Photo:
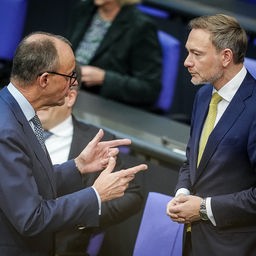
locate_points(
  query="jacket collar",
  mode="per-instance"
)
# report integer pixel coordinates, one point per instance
(43, 158)
(118, 28)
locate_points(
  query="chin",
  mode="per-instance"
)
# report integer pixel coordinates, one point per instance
(195, 82)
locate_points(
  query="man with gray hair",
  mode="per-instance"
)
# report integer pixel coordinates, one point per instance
(38, 199)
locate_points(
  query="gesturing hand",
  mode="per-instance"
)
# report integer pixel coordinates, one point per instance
(96, 154)
(111, 185)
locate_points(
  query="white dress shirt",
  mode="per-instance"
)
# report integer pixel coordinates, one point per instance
(59, 143)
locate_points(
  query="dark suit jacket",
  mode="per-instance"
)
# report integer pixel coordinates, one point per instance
(113, 211)
(130, 53)
(29, 186)
(226, 173)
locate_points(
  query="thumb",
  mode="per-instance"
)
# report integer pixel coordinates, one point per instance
(111, 165)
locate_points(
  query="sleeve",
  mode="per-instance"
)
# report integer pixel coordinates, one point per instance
(237, 209)
(68, 178)
(119, 209)
(26, 199)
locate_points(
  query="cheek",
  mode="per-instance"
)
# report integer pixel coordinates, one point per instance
(215, 69)
(64, 88)
(209, 68)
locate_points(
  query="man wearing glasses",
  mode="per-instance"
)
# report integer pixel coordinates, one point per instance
(36, 198)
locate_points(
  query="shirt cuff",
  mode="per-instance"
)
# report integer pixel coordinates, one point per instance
(209, 211)
(98, 197)
(182, 191)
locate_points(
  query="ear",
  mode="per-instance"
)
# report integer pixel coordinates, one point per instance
(227, 57)
(72, 95)
(43, 80)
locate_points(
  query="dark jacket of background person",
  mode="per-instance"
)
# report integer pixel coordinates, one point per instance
(130, 53)
(112, 212)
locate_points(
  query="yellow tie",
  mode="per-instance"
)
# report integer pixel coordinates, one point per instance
(209, 124)
(208, 127)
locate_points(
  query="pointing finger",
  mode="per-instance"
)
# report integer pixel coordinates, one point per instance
(116, 143)
(133, 170)
(97, 138)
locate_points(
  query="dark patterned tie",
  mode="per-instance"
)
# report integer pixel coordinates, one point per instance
(38, 130)
(47, 134)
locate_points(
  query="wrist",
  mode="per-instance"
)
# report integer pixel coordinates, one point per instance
(79, 165)
(203, 211)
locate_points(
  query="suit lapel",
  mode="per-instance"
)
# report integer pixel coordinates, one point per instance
(201, 113)
(79, 28)
(31, 138)
(74, 150)
(229, 117)
(79, 140)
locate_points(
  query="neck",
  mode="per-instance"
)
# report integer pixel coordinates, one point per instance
(55, 121)
(228, 75)
(109, 11)
(30, 92)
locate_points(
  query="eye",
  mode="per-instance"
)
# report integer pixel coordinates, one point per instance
(197, 53)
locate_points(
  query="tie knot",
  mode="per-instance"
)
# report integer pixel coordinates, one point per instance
(36, 121)
(216, 98)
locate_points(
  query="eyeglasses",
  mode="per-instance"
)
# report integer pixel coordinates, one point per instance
(72, 77)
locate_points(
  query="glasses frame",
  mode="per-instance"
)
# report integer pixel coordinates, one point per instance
(72, 76)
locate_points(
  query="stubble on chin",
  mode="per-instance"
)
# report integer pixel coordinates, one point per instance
(196, 82)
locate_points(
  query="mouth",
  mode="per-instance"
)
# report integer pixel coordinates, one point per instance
(192, 74)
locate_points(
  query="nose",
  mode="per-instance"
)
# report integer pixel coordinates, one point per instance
(188, 61)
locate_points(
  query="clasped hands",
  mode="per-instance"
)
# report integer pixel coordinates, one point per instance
(184, 208)
(101, 155)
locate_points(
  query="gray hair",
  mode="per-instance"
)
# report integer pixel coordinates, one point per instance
(33, 57)
(225, 33)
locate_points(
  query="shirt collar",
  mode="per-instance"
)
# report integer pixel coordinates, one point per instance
(228, 91)
(24, 104)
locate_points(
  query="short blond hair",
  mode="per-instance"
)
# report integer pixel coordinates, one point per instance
(225, 32)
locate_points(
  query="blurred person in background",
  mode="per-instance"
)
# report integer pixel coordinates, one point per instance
(66, 137)
(118, 49)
